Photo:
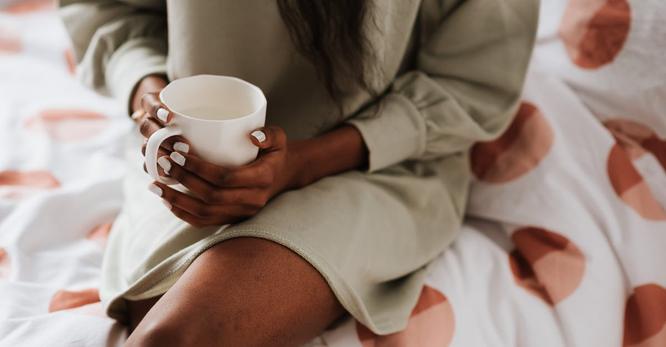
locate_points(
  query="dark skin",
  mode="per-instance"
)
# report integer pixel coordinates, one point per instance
(222, 298)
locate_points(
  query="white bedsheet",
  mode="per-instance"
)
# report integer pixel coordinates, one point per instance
(564, 245)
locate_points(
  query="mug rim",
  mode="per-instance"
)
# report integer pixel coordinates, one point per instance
(242, 81)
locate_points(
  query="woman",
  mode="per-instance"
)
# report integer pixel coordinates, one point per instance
(362, 175)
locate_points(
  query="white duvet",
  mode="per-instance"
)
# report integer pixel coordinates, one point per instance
(565, 244)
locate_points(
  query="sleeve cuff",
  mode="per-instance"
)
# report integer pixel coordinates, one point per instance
(133, 61)
(393, 132)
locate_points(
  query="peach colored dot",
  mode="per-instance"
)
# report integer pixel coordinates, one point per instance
(68, 125)
(36, 179)
(637, 139)
(70, 61)
(594, 31)
(10, 42)
(68, 299)
(5, 265)
(27, 6)
(100, 234)
(519, 150)
(630, 187)
(431, 324)
(645, 317)
(546, 264)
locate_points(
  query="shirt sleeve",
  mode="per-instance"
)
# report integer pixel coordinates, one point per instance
(466, 85)
(116, 44)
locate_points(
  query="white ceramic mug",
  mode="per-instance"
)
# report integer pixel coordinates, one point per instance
(215, 114)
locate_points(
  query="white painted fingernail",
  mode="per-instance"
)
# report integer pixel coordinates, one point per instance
(178, 158)
(181, 147)
(155, 189)
(259, 135)
(163, 114)
(167, 204)
(164, 163)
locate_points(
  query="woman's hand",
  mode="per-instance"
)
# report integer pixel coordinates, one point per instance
(228, 195)
(219, 195)
(150, 114)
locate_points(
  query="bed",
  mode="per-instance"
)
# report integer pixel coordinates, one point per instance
(566, 235)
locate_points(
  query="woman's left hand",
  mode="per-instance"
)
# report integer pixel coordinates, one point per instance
(222, 195)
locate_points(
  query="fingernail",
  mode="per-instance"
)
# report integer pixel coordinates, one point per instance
(178, 158)
(155, 189)
(181, 147)
(163, 114)
(259, 135)
(164, 163)
(167, 204)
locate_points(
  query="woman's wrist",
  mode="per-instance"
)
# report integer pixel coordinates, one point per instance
(337, 151)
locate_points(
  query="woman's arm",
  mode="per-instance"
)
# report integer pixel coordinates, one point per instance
(337, 151)
(465, 86)
(116, 43)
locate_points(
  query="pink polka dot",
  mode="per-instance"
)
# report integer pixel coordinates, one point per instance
(28, 6)
(100, 234)
(519, 150)
(594, 31)
(431, 324)
(68, 125)
(67, 299)
(637, 139)
(10, 42)
(546, 264)
(70, 61)
(630, 187)
(5, 264)
(19, 184)
(645, 317)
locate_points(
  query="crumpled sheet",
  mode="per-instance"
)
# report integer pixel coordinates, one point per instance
(564, 244)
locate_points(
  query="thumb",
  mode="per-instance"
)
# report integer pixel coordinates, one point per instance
(268, 138)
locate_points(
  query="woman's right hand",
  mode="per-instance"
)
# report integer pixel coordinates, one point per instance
(150, 114)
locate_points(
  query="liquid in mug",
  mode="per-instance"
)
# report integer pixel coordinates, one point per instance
(217, 112)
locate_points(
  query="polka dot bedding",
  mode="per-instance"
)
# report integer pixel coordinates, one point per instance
(566, 229)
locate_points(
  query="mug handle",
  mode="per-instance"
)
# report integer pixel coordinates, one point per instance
(154, 142)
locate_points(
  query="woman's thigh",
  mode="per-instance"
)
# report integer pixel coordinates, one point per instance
(241, 292)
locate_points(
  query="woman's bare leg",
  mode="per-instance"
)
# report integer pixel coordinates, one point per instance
(241, 292)
(136, 310)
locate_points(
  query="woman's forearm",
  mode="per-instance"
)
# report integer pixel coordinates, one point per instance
(337, 151)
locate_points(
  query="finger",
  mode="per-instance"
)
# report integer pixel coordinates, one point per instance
(257, 174)
(254, 175)
(212, 173)
(175, 143)
(138, 115)
(270, 137)
(254, 197)
(190, 219)
(198, 207)
(151, 103)
(199, 222)
(148, 126)
(198, 186)
(163, 165)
